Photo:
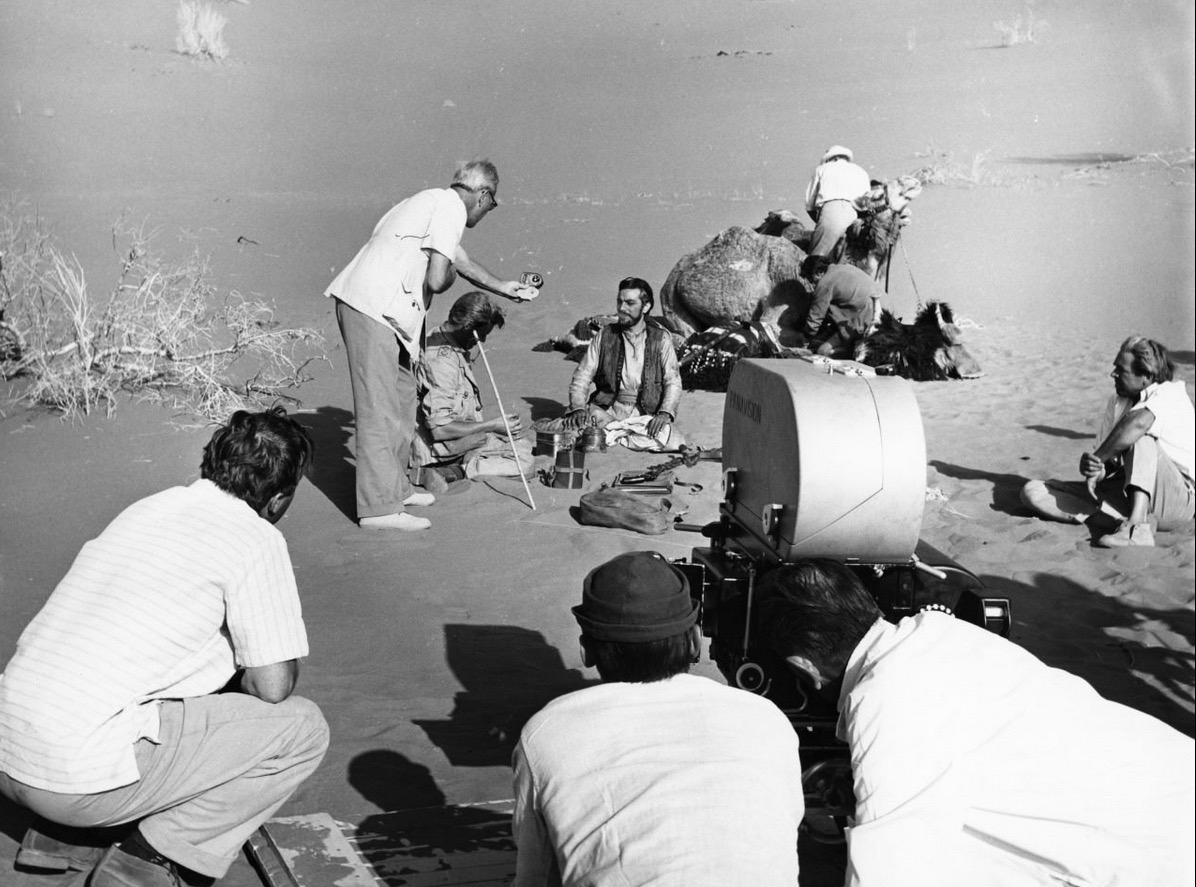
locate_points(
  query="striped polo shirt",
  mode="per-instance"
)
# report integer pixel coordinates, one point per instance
(179, 591)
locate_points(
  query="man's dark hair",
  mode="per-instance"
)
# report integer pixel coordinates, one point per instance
(812, 266)
(255, 456)
(817, 609)
(1149, 358)
(638, 283)
(640, 663)
(476, 311)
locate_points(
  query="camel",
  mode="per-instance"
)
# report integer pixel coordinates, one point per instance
(744, 275)
(738, 277)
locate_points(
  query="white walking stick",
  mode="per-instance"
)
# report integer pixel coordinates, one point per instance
(506, 424)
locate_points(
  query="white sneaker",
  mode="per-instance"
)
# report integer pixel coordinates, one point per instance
(419, 499)
(401, 521)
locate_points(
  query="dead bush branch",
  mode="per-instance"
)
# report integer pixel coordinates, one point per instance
(162, 332)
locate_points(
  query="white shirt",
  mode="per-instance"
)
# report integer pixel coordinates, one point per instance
(1174, 425)
(836, 180)
(180, 590)
(677, 782)
(976, 764)
(385, 280)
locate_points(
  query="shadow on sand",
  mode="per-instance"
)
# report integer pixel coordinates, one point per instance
(335, 471)
(508, 674)
(1074, 628)
(420, 835)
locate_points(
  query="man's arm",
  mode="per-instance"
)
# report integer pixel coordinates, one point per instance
(479, 276)
(812, 194)
(583, 376)
(818, 308)
(460, 428)
(1128, 430)
(440, 274)
(909, 810)
(271, 683)
(666, 413)
(535, 859)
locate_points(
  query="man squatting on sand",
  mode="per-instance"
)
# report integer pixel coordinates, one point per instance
(382, 299)
(846, 302)
(632, 366)
(454, 439)
(110, 709)
(1149, 432)
(974, 763)
(830, 198)
(655, 776)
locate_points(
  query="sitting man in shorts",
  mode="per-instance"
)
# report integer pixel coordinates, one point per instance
(631, 365)
(1148, 432)
(654, 776)
(973, 762)
(454, 439)
(153, 690)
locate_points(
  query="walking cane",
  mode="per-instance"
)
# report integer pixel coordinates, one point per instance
(506, 424)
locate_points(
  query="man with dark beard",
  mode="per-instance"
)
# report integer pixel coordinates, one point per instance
(632, 366)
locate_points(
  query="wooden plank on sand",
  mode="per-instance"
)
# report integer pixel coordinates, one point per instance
(454, 845)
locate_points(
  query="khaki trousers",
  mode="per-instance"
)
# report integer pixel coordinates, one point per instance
(222, 766)
(382, 375)
(1149, 469)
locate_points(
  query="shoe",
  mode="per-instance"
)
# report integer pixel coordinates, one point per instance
(1128, 536)
(118, 868)
(401, 521)
(40, 851)
(419, 499)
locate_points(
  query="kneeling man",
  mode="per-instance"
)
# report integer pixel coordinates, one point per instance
(110, 710)
(846, 301)
(655, 776)
(632, 366)
(974, 763)
(454, 439)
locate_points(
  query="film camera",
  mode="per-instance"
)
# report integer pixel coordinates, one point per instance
(821, 459)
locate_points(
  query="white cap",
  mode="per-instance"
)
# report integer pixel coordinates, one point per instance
(837, 151)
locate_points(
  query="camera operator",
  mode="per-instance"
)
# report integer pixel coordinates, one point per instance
(655, 776)
(974, 763)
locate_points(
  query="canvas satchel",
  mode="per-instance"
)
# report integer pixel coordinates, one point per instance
(606, 507)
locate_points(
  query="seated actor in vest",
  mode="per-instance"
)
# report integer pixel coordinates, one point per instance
(631, 365)
(454, 439)
(111, 713)
(974, 763)
(654, 776)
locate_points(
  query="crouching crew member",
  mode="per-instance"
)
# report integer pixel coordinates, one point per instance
(846, 301)
(454, 439)
(109, 709)
(974, 763)
(655, 776)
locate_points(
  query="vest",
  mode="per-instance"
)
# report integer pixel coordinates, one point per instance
(610, 369)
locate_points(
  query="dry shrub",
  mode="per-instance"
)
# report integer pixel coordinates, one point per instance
(201, 31)
(942, 168)
(162, 333)
(1023, 29)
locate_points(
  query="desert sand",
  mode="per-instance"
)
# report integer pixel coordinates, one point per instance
(626, 135)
